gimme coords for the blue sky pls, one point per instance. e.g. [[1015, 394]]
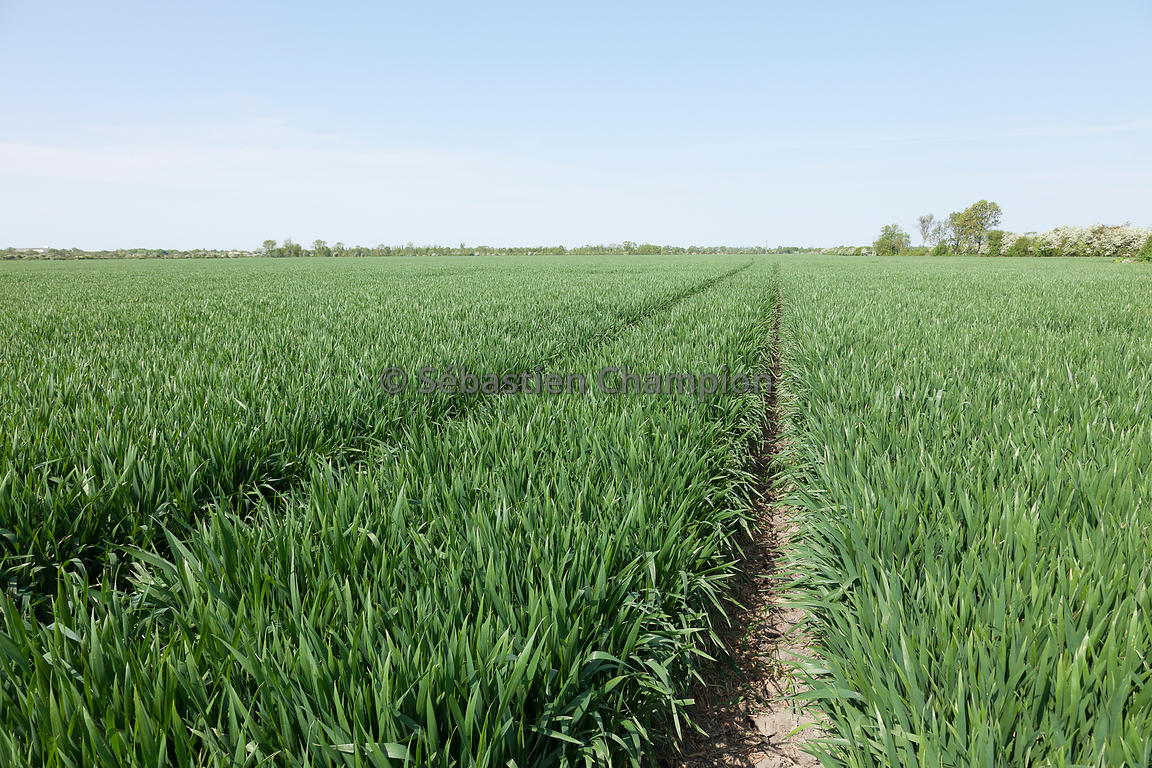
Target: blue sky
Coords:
[[219, 124]]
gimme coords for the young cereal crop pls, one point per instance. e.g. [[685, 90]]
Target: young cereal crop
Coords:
[[516, 580], [970, 446], [223, 543], [136, 394]]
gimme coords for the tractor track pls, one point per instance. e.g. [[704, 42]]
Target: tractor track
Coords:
[[743, 704]]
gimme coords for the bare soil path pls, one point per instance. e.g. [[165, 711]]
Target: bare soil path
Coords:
[[743, 704]]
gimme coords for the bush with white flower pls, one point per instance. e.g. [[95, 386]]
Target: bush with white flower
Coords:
[[1120, 242]]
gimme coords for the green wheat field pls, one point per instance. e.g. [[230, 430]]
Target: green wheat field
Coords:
[[223, 543]]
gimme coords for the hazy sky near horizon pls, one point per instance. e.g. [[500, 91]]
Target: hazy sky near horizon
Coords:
[[218, 124]]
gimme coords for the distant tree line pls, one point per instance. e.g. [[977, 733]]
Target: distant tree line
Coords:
[[320, 248], [121, 253]]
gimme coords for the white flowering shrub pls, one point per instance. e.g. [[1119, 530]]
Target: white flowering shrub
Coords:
[[1112, 242], [848, 250]]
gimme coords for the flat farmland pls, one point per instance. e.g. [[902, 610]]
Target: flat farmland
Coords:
[[229, 536]]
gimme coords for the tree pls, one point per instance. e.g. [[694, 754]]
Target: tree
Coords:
[[1021, 246], [955, 232], [970, 227], [320, 248], [983, 217], [268, 247], [996, 242], [290, 248], [892, 241], [926, 222], [938, 233]]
